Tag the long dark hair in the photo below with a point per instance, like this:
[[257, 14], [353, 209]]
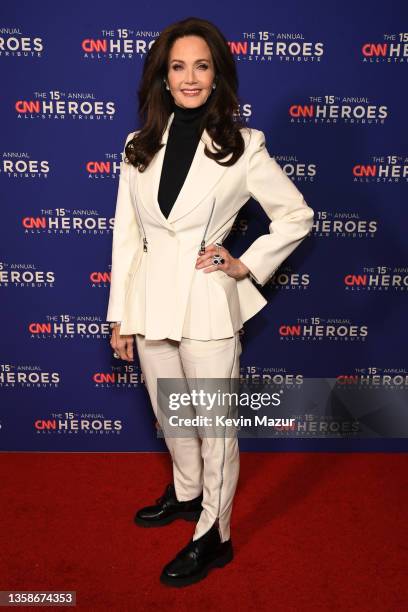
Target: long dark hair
[[222, 119]]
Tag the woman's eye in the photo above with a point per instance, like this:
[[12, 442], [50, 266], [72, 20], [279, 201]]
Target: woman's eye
[[176, 66]]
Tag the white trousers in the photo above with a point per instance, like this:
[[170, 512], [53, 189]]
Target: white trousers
[[209, 464]]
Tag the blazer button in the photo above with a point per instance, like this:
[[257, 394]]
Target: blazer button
[[171, 232]]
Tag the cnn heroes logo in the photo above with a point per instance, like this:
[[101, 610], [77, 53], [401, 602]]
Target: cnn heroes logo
[[65, 105], [13, 43], [392, 49], [377, 279], [117, 44], [316, 328], [65, 221], [17, 164], [333, 109], [279, 46], [25, 275], [341, 224], [381, 168]]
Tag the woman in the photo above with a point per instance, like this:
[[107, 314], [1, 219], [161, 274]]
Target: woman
[[174, 287]]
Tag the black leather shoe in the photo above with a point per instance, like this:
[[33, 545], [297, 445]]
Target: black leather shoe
[[194, 561], [168, 509]]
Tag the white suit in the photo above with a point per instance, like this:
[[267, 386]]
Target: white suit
[[159, 295], [158, 292]]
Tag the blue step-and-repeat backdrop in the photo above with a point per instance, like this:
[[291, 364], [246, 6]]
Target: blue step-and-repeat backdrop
[[326, 82]]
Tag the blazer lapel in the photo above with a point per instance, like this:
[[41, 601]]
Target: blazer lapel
[[203, 174]]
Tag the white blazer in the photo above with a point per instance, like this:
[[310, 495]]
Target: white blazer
[[155, 288]]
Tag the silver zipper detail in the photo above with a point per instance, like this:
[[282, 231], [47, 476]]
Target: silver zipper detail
[[202, 248], [144, 233]]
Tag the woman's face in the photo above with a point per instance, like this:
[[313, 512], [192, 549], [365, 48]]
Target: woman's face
[[190, 71]]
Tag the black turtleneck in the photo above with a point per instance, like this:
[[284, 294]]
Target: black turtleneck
[[183, 138]]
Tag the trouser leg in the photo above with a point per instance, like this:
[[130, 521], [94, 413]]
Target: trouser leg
[[161, 359], [215, 359]]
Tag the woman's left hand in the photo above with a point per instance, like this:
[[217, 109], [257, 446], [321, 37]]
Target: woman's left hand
[[232, 266]]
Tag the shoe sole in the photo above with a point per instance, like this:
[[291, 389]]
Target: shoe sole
[[187, 516], [182, 582]]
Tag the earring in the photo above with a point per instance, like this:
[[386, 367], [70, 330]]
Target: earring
[[164, 81], [214, 85]]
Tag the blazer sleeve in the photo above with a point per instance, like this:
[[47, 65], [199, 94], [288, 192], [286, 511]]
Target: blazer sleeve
[[125, 241], [291, 217]]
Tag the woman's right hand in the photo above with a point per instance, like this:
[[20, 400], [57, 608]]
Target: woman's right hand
[[123, 345]]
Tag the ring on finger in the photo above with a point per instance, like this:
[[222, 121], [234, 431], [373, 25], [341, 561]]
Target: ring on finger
[[217, 258]]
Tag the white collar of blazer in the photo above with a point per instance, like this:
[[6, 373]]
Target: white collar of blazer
[[204, 173]]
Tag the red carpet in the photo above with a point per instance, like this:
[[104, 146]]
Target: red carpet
[[320, 531]]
